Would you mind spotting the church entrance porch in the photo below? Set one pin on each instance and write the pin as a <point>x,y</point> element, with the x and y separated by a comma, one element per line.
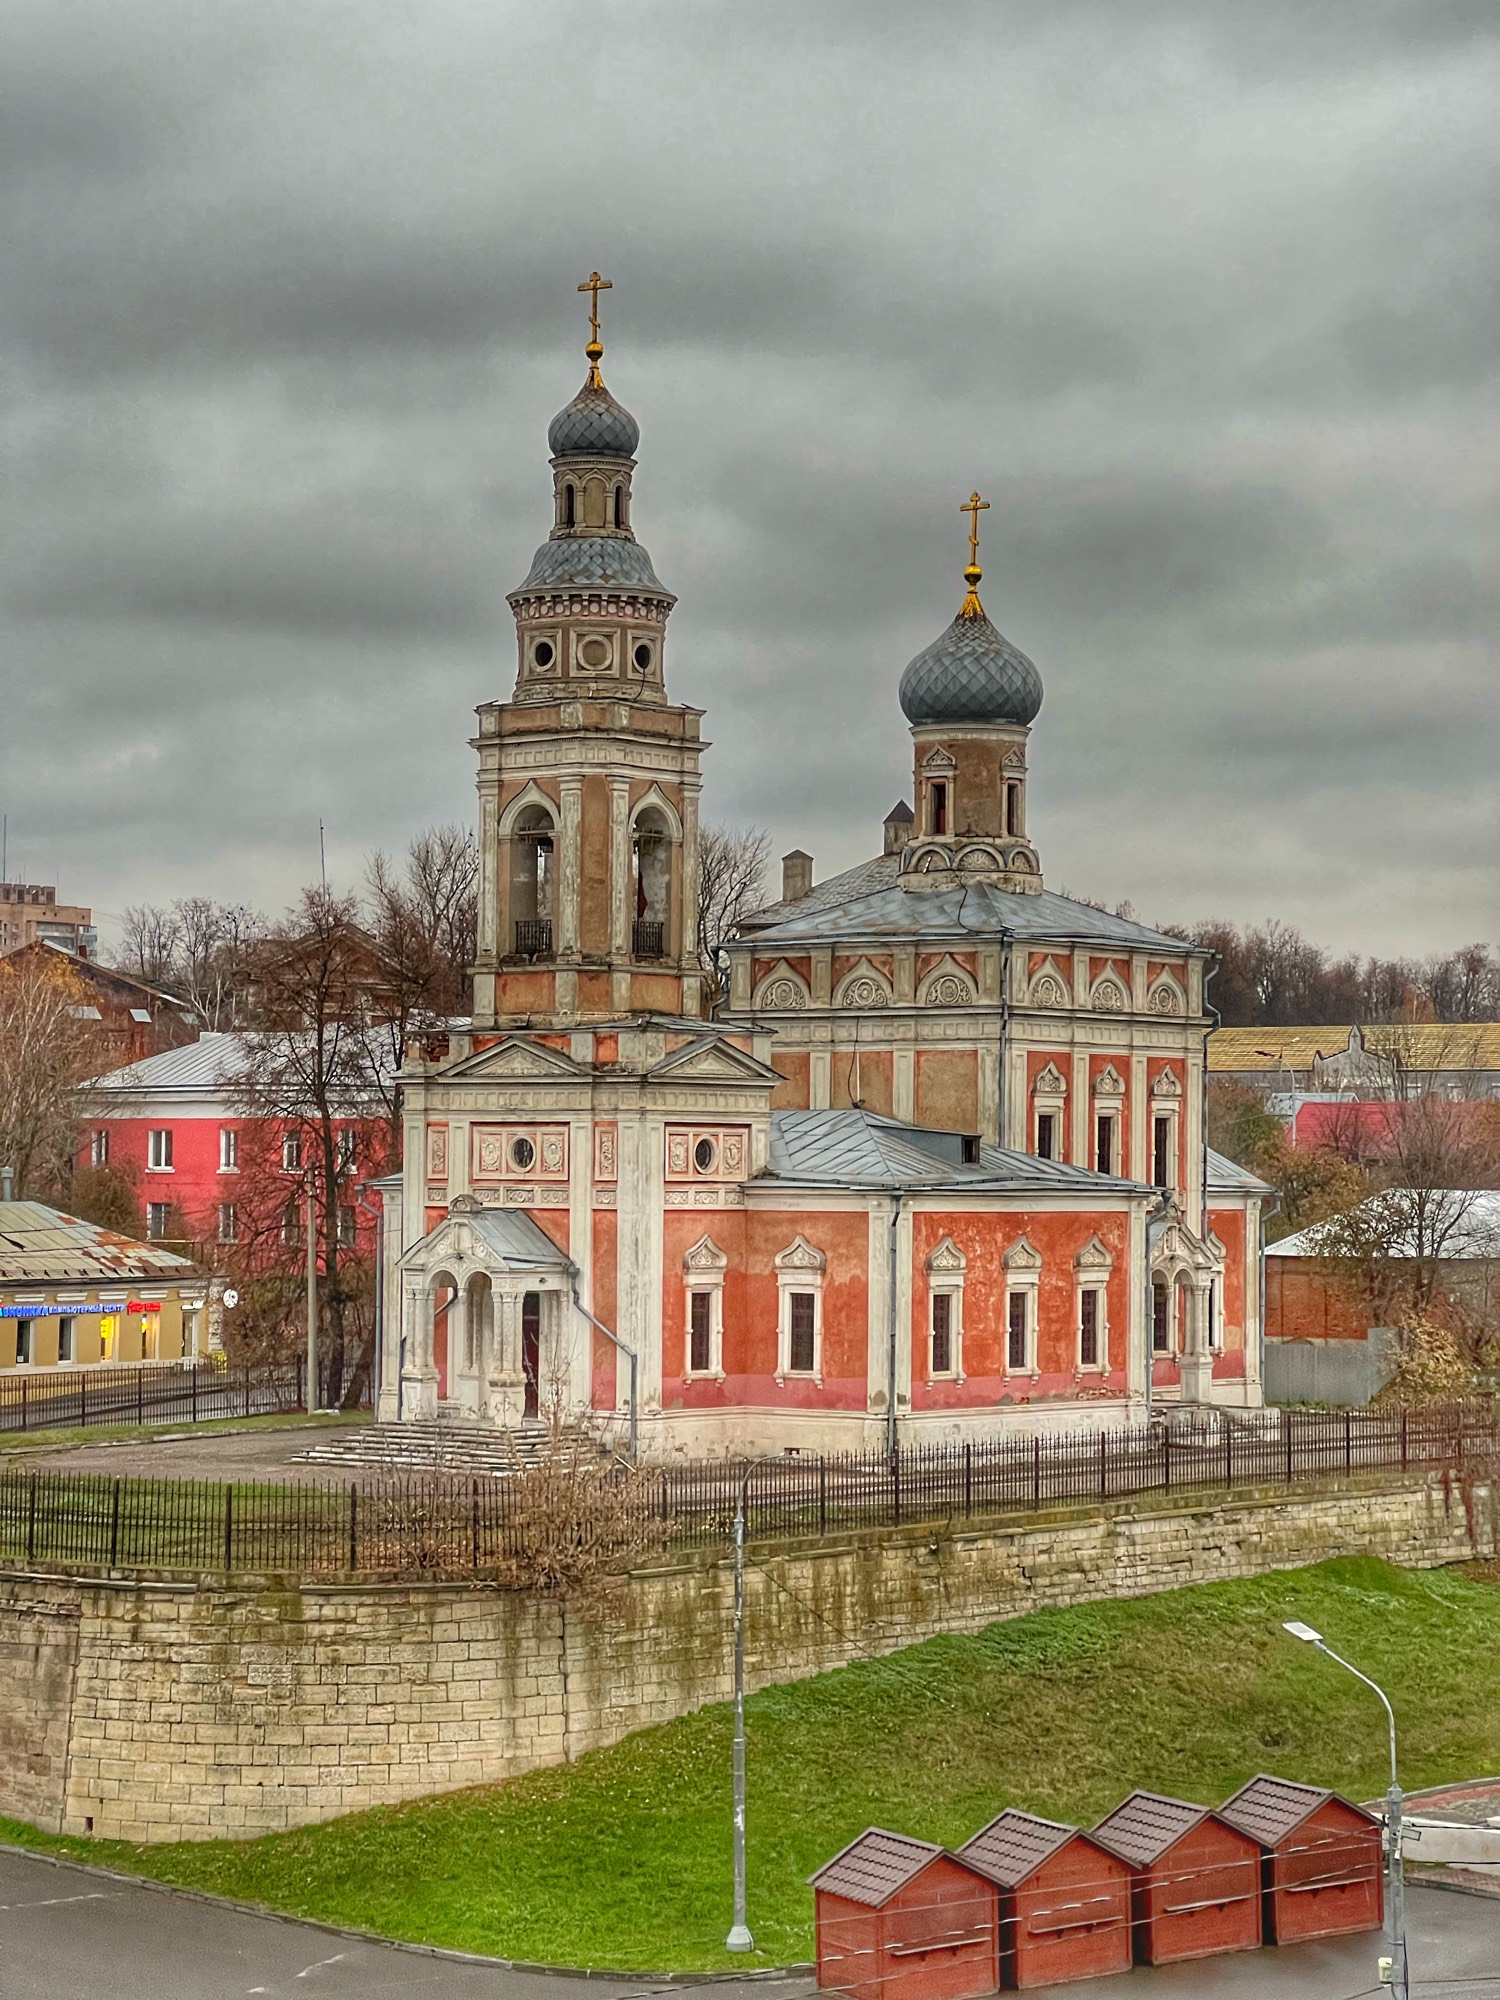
<point>488,1332</point>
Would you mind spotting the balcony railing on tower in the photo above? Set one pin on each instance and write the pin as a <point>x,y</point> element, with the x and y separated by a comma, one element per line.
<point>533,937</point>
<point>649,939</point>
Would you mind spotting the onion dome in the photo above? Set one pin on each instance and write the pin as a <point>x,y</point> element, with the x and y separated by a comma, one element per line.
<point>971,672</point>
<point>593,425</point>
<point>610,561</point>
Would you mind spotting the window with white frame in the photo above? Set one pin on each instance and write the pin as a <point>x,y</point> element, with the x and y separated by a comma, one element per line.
<point>159,1149</point>
<point>799,1332</point>
<point>99,1147</point>
<point>157,1213</point>
<point>1166,1092</point>
<point>945,1311</point>
<point>703,1271</point>
<point>1161,1316</point>
<point>1049,1102</point>
<point>347,1141</point>
<point>65,1337</point>
<point>348,1225</point>
<point>1023,1278</point>
<point>23,1343</point>
<point>229,1149</point>
<point>1091,1269</point>
<point>1214,1309</point>
<point>229,1224</point>
<point>1106,1142</point>
<point>291,1153</point>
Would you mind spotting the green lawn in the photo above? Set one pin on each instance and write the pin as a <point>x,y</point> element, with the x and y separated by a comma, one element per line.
<point>622,1860</point>
<point>52,1440</point>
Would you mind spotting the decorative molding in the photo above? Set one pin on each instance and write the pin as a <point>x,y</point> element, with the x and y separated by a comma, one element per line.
<point>1023,1258</point>
<point>1109,1082</point>
<point>1094,1257</point>
<point>1047,990</point>
<point>1166,1084</point>
<point>1165,997</point>
<point>705,1259</point>
<point>938,759</point>
<point>947,985</point>
<point>800,1255</point>
<point>1109,996</point>
<point>947,1260</point>
<point>1050,1082</point>
<point>864,987</point>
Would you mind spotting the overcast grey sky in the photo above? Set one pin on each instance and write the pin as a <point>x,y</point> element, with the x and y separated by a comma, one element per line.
<point>1200,293</point>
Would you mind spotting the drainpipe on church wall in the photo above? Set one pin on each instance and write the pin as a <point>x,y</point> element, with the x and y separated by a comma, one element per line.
<point>893,1323</point>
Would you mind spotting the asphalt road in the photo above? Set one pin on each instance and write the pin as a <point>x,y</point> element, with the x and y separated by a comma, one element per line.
<point>71,1933</point>
<point>75,1934</point>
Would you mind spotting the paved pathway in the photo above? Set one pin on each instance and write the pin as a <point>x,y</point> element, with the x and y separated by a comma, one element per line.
<point>71,1933</point>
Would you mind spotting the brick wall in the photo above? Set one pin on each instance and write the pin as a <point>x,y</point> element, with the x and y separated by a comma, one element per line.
<point>151,1710</point>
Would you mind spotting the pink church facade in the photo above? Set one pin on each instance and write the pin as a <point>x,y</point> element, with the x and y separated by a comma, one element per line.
<point>935,1170</point>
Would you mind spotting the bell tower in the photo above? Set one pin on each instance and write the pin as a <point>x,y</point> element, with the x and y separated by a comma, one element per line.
<point>588,775</point>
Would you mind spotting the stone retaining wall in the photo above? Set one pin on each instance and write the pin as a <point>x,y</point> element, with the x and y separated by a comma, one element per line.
<point>157,1709</point>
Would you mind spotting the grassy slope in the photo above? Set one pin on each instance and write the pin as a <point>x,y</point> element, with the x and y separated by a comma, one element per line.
<point>22,1441</point>
<point>623,1859</point>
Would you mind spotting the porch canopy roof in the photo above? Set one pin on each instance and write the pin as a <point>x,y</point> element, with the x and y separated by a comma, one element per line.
<point>494,1239</point>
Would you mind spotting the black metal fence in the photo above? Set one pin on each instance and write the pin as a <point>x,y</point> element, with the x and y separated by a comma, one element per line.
<point>158,1393</point>
<point>455,1523</point>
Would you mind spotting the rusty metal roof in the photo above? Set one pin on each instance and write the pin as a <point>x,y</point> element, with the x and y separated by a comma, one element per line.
<point>871,1869</point>
<point>1142,1828</point>
<point>1268,1809</point>
<point>1014,1845</point>
<point>42,1246</point>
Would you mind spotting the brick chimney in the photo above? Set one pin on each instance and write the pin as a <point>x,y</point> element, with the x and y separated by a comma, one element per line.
<point>796,875</point>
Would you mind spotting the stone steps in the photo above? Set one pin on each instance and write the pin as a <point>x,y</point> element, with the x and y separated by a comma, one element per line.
<point>422,1449</point>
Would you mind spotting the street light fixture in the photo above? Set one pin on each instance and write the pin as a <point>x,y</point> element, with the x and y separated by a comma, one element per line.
<point>739,1938</point>
<point>1393,1969</point>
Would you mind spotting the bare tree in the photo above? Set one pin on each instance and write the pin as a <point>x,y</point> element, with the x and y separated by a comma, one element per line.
<point>422,919</point>
<point>731,882</point>
<point>51,1044</point>
<point>150,937</point>
<point>312,1066</point>
<point>196,949</point>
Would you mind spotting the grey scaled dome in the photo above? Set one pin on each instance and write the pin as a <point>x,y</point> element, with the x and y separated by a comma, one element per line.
<point>971,673</point>
<point>593,425</point>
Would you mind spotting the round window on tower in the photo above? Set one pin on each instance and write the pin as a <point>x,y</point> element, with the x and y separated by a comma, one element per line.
<point>642,657</point>
<point>542,653</point>
<point>705,1156</point>
<point>522,1154</point>
<point>594,652</point>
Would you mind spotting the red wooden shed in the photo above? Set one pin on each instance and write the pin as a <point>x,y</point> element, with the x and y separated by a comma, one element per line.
<point>1321,1859</point>
<point>900,1919</point>
<point>1195,1879</point>
<point>1064,1900</point>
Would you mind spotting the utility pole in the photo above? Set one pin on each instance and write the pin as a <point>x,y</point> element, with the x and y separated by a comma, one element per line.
<point>739,1938</point>
<point>1392,1969</point>
<point>312,1295</point>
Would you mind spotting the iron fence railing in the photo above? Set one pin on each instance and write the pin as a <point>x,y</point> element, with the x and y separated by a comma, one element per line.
<point>453,1523</point>
<point>162,1392</point>
<point>648,938</point>
<point>533,937</point>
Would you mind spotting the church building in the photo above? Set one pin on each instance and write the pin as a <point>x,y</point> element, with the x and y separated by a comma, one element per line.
<point>935,1170</point>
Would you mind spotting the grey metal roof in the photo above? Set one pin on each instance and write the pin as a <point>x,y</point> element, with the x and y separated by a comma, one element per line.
<point>858,1149</point>
<point>44,1246</point>
<point>1226,1176</point>
<point>593,425</point>
<point>518,1241</point>
<point>971,673</point>
<point>206,1064</point>
<point>867,902</point>
<point>616,561</point>
<point>871,1869</point>
<point>1014,1845</point>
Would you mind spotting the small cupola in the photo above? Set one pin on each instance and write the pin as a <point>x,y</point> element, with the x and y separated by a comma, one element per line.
<point>898,825</point>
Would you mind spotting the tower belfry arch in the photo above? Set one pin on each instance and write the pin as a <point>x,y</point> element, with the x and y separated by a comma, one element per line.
<point>588,891</point>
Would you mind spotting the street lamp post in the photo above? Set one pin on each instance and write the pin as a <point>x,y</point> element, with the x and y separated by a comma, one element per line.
<point>739,1938</point>
<point>1393,1968</point>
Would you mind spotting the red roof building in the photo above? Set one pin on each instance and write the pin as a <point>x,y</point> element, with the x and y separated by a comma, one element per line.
<point>1064,1900</point>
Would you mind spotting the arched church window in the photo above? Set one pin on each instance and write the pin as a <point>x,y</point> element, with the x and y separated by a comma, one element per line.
<point>1013,825</point>
<point>937,808</point>
<point>531,875</point>
<point>570,506</point>
<point>651,871</point>
<point>619,506</point>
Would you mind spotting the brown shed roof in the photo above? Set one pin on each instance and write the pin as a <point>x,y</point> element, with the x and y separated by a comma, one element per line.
<point>1014,1846</point>
<point>1268,1809</point>
<point>1142,1828</point>
<point>872,1868</point>
<point>42,1246</point>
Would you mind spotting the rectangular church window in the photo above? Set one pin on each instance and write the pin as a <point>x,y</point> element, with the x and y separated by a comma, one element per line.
<point>700,1332</point>
<point>1046,1135</point>
<point>803,1345</point>
<point>1088,1329</point>
<point>1104,1143</point>
<point>1018,1343</point>
<point>942,1333</point>
<point>1161,1151</point>
<point>1161,1318</point>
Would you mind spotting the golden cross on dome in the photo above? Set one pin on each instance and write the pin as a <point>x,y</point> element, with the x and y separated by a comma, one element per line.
<point>594,285</point>
<point>973,507</point>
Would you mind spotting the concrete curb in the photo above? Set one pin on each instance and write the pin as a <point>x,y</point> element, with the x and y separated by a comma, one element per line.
<point>643,1981</point>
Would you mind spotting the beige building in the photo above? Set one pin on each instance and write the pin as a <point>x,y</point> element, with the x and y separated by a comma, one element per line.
<point>30,911</point>
<point>74,1295</point>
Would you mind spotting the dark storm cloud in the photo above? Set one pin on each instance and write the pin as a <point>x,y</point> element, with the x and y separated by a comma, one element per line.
<point>1201,295</point>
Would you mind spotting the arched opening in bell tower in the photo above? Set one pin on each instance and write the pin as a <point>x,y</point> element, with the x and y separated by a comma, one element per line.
<point>651,883</point>
<point>532,850</point>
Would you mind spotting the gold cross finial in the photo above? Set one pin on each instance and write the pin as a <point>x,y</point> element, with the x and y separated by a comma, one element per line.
<point>594,285</point>
<point>973,507</point>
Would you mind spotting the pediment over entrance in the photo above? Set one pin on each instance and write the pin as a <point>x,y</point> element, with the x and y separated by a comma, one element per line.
<point>517,1056</point>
